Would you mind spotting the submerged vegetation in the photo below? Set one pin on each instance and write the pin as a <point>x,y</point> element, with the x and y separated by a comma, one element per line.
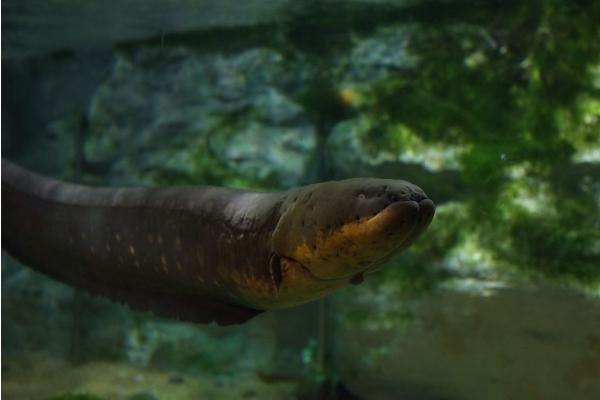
<point>519,94</point>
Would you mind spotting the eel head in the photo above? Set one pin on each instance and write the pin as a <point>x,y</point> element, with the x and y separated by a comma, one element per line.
<point>341,229</point>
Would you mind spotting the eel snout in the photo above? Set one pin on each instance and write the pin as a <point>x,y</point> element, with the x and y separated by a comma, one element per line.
<point>404,221</point>
<point>406,216</point>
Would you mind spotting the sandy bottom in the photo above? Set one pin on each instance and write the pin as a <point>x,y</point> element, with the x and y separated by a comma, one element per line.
<point>517,343</point>
<point>37,376</point>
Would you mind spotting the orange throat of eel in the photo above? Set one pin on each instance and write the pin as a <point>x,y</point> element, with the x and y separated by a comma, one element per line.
<point>345,253</point>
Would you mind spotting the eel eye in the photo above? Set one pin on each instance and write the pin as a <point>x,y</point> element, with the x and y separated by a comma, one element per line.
<point>361,196</point>
<point>392,197</point>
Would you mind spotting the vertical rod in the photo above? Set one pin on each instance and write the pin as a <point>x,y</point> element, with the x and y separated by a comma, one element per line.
<point>78,162</point>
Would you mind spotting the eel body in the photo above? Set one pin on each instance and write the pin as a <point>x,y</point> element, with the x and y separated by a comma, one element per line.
<point>205,253</point>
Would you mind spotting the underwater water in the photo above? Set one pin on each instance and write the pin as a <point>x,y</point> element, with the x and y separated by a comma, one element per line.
<point>491,107</point>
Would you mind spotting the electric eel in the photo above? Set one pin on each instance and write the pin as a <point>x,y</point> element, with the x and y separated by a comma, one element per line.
<point>203,253</point>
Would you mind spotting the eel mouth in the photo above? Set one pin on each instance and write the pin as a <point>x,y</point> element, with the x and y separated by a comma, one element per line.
<point>360,246</point>
<point>420,213</point>
<point>400,215</point>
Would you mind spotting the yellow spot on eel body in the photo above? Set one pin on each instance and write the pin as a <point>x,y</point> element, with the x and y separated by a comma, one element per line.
<point>92,249</point>
<point>216,283</point>
<point>179,267</point>
<point>166,269</point>
<point>178,243</point>
<point>163,260</point>
<point>137,263</point>
<point>107,247</point>
<point>200,279</point>
<point>83,235</point>
<point>132,249</point>
<point>118,237</point>
<point>150,238</point>
<point>159,239</point>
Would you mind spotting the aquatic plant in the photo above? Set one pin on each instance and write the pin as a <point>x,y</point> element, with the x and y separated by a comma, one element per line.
<point>517,94</point>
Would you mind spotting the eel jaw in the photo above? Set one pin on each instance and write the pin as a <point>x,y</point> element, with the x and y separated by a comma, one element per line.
<point>360,246</point>
<point>426,211</point>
